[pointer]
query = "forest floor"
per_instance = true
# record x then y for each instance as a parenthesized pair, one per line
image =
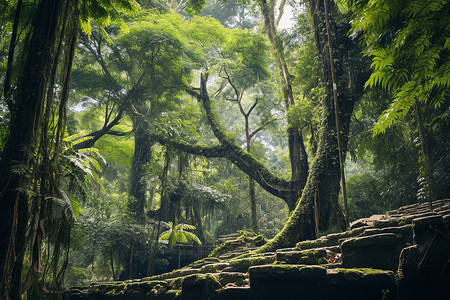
(403, 254)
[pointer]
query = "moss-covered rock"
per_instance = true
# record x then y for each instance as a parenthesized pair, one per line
(310, 244)
(306, 257)
(202, 262)
(282, 271)
(235, 278)
(199, 286)
(379, 251)
(242, 265)
(213, 268)
(245, 240)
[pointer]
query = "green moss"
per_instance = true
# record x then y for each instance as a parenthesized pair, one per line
(310, 253)
(309, 244)
(160, 289)
(246, 239)
(322, 260)
(246, 233)
(203, 261)
(362, 271)
(306, 257)
(199, 286)
(246, 255)
(213, 268)
(245, 263)
(356, 274)
(226, 247)
(279, 271)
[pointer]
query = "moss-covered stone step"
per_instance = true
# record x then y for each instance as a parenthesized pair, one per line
(242, 265)
(330, 239)
(214, 268)
(239, 251)
(246, 241)
(315, 282)
(305, 257)
(375, 251)
(202, 262)
(233, 279)
(437, 206)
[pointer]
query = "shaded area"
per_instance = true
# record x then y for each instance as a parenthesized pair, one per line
(402, 254)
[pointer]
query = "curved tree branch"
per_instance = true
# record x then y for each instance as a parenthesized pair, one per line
(242, 159)
(261, 127)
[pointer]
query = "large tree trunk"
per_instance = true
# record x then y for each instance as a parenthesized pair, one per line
(142, 155)
(25, 107)
(320, 195)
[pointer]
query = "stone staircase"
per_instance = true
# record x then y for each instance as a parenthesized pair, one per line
(403, 254)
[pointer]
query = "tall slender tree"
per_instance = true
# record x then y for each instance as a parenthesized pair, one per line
(36, 100)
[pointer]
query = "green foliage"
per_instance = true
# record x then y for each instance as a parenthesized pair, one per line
(246, 57)
(178, 235)
(195, 6)
(409, 45)
(232, 14)
(105, 13)
(366, 196)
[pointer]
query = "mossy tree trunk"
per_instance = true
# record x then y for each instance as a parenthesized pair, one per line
(26, 107)
(141, 157)
(323, 183)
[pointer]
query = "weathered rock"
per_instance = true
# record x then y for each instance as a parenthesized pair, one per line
(244, 242)
(236, 278)
(405, 231)
(422, 225)
(242, 265)
(379, 251)
(430, 254)
(313, 282)
(305, 257)
(213, 268)
(206, 261)
(310, 244)
(330, 239)
(366, 221)
(423, 273)
(199, 287)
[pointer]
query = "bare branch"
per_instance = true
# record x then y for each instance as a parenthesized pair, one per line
(261, 127)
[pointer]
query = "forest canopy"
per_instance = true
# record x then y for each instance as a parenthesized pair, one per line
(132, 127)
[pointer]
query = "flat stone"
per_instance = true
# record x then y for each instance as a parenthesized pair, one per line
(314, 282)
(283, 271)
(366, 221)
(211, 268)
(237, 278)
(405, 231)
(310, 244)
(286, 249)
(243, 264)
(423, 224)
(378, 251)
(366, 276)
(307, 257)
(427, 221)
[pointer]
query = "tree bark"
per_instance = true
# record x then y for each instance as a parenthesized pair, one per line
(425, 156)
(25, 107)
(297, 152)
(322, 187)
(138, 184)
(336, 111)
